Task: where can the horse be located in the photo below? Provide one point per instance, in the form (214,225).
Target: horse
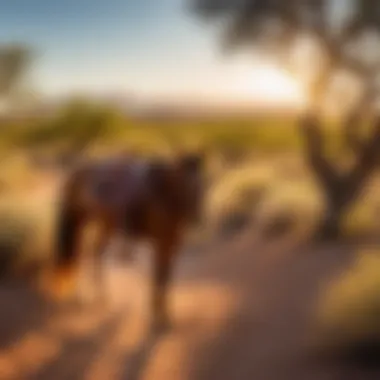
(153,199)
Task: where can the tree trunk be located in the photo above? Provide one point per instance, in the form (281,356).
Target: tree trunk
(331,225)
(341,189)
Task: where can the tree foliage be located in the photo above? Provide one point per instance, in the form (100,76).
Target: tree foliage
(346,34)
(14,62)
(337,27)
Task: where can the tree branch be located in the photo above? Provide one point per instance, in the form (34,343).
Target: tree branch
(351,128)
(324,170)
(351,132)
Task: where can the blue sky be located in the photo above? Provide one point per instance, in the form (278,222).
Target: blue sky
(149,46)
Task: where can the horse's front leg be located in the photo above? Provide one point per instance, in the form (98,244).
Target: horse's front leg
(101,249)
(164,255)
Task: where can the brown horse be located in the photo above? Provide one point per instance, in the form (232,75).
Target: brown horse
(143,199)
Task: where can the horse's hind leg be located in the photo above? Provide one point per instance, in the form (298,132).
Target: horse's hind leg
(162,270)
(69,231)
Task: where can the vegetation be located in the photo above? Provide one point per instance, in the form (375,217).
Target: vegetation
(15,60)
(257,177)
(350,309)
(255,166)
(279,29)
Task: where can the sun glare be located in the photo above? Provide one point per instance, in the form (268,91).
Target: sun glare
(269,84)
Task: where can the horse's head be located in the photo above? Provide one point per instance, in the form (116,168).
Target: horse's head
(179,185)
(191,174)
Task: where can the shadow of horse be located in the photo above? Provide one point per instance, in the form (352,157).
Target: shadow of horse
(138,360)
(22,310)
(77,354)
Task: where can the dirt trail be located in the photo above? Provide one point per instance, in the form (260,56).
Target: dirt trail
(241,311)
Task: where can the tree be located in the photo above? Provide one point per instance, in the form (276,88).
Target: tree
(345,34)
(14,63)
(80,123)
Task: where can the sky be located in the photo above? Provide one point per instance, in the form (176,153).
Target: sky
(151,48)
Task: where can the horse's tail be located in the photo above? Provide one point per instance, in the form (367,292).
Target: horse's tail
(66,234)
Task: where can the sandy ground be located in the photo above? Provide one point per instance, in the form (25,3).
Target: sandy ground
(241,310)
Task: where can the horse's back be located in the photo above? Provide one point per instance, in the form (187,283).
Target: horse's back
(109,186)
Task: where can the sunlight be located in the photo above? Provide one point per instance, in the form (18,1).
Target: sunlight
(269,84)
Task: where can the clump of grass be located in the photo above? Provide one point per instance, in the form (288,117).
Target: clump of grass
(349,311)
(25,233)
(15,234)
(290,205)
(362,221)
(234,197)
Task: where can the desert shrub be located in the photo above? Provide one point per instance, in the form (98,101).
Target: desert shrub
(234,197)
(363,219)
(15,234)
(25,231)
(75,126)
(296,203)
